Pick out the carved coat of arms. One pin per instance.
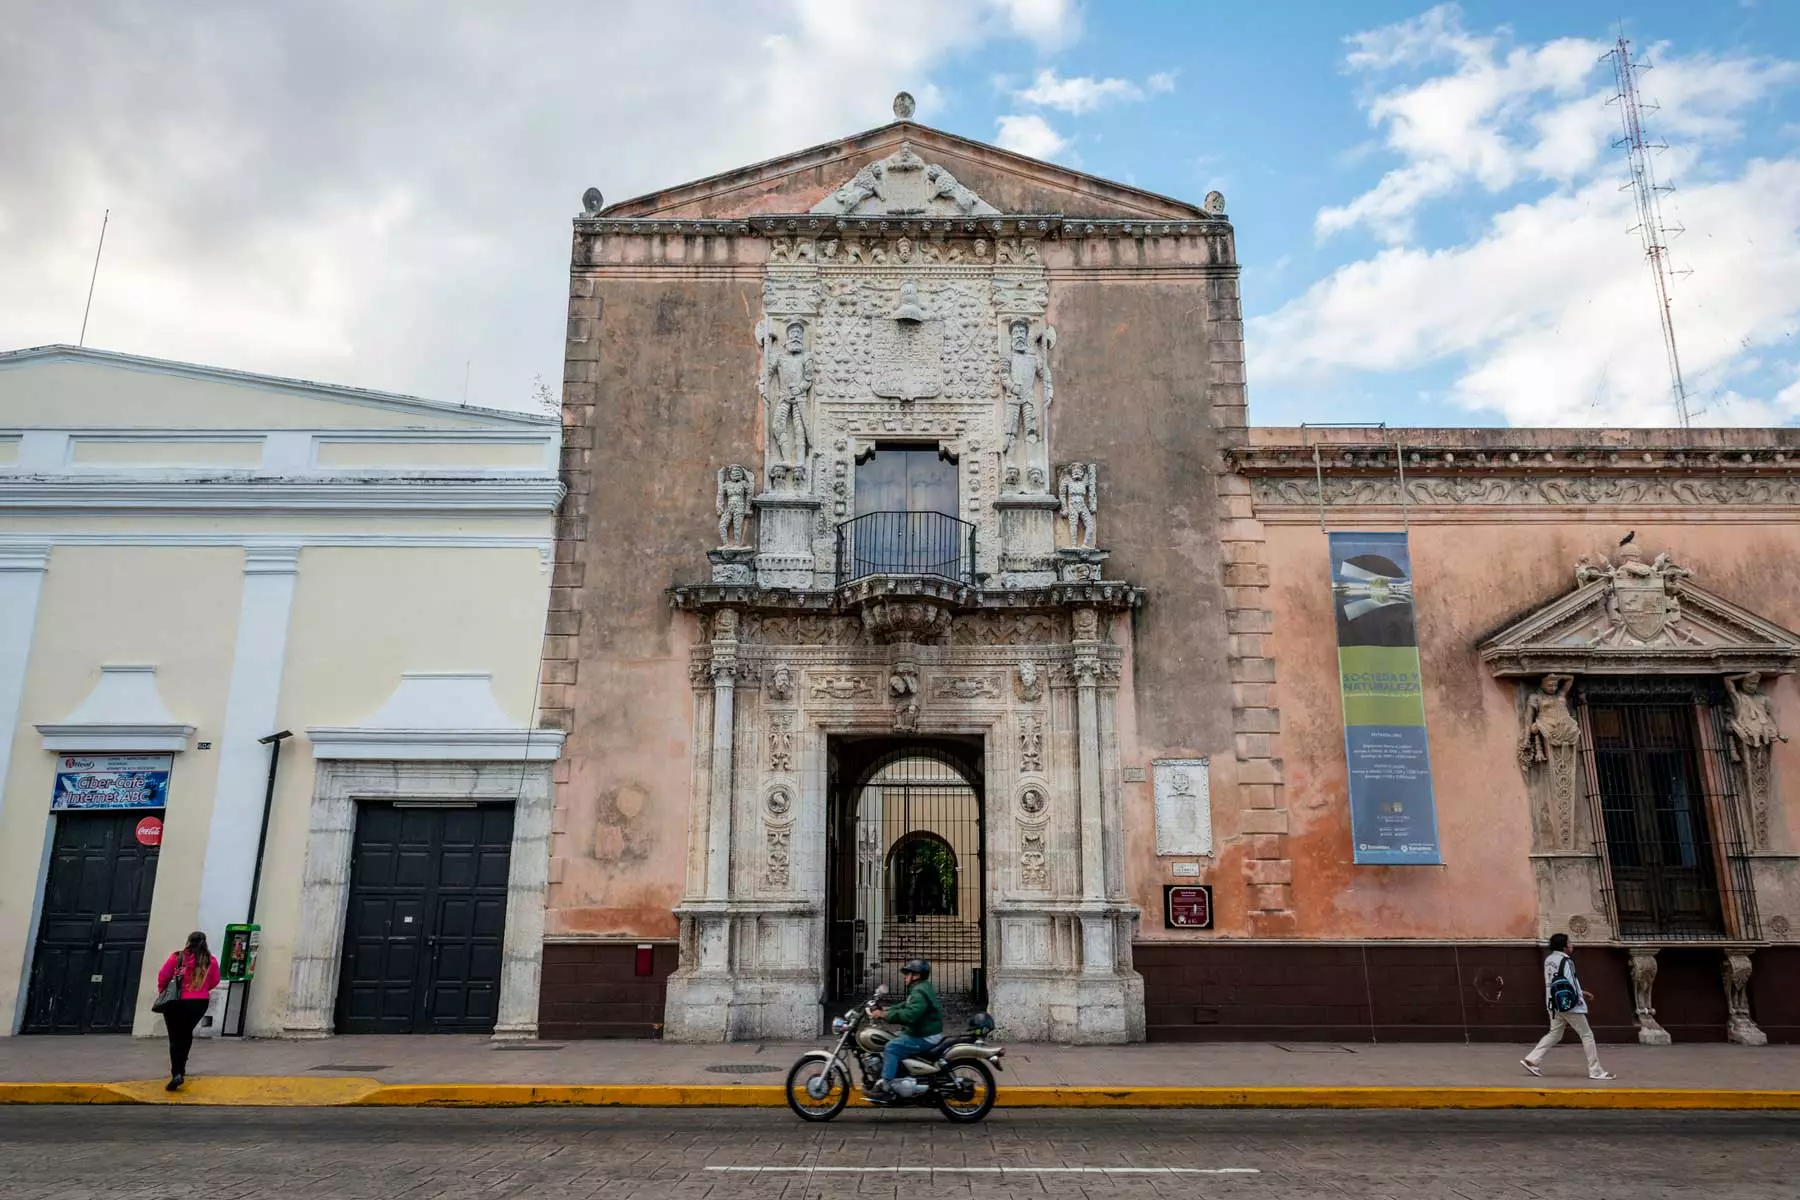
(1641, 605)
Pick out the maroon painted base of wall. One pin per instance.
(1775, 993)
(593, 990)
(1411, 992)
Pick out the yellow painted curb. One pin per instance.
(626, 1095)
(333, 1091)
(1399, 1097)
(254, 1091)
(61, 1093)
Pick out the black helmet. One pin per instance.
(982, 1023)
(916, 966)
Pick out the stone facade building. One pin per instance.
(921, 589)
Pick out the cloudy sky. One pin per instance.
(1427, 200)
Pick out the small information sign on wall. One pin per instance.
(103, 781)
(1187, 906)
(1183, 806)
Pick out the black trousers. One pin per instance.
(181, 1017)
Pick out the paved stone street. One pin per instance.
(1220, 1064)
(349, 1154)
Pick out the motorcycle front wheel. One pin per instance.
(966, 1092)
(826, 1076)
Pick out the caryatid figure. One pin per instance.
(1024, 367)
(791, 372)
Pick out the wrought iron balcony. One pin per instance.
(906, 543)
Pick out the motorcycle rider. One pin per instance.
(920, 1017)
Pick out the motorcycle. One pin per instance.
(956, 1075)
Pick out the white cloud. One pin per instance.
(1160, 83)
(374, 194)
(1502, 115)
(1078, 95)
(1547, 313)
(1030, 135)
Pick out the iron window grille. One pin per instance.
(1668, 816)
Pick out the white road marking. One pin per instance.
(990, 1170)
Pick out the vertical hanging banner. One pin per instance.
(1393, 817)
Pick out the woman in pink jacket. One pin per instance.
(199, 972)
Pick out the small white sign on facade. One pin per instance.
(1183, 806)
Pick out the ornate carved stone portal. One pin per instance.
(967, 624)
(1644, 619)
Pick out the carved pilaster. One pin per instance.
(1643, 982)
(1739, 1027)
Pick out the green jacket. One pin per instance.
(920, 1014)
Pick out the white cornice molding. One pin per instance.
(31, 555)
(438, 716)
(123, 714)
(436, 745)
(386, 495)
(261, 558)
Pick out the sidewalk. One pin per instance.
(474, 1070)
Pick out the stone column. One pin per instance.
(715, 931)
(1643, 980)
(1739, 1027)
(1097, 950)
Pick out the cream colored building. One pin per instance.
(195, 559)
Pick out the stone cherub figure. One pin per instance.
(1549, 725)
(733, 503)
(1024, 368)
(790, 370)
(1080, 501)
(1752, 723)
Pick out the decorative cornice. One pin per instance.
(1028, 225)
(436, 745)
(1566, 474)
(31, 555)
(273, 495)
(704, 597)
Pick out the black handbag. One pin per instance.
(171, 991)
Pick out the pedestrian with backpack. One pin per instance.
(1568, 1005)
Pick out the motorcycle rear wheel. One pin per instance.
(837, 1089)
(982, 1086)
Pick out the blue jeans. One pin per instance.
(902, 1047)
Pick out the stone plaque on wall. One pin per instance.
(1183, 806)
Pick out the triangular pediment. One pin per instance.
(903, 185)
(805, 182)
(1640, 618)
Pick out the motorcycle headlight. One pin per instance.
(838, 1025)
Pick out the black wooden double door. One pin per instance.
(423, 937)
(89, 955)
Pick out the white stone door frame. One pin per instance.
(823, 730)
(325, 886)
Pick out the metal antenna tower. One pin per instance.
(1648, 192)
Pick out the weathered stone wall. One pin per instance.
(1489, 547)
(658, 393)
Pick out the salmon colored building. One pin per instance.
(922, 589)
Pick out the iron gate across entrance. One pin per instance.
(908, 849)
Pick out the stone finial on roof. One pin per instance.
(904, 106)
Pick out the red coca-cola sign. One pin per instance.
(149, 831)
